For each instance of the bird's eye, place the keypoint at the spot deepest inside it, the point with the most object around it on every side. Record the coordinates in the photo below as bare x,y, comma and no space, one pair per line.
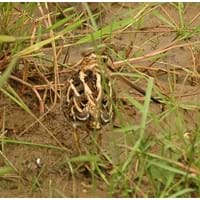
88,73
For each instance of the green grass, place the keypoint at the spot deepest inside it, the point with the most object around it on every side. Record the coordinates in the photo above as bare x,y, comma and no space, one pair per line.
153,153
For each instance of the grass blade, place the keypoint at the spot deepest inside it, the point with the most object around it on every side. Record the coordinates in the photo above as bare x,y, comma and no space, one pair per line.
8,71
168,168
20,142
14,96
84,158
163,19
5,171
180,11
181,193
7,38
91,16
60,23
107,30
143,123
35,47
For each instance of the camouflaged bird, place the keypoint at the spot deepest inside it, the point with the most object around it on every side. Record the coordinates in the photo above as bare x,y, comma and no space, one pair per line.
89,95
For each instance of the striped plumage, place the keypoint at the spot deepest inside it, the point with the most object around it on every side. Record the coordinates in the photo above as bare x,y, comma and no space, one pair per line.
89,95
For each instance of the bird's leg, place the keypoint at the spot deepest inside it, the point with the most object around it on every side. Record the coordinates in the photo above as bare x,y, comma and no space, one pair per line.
86,136
77,140
99,141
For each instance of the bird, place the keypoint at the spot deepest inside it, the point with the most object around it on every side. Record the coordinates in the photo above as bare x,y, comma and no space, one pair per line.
89,95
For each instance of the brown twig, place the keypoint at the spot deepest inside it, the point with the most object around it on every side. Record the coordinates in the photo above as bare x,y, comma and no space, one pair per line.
194,18
153,53
47,81
55,64
47,22
118,64
21,81
38,87
35,89
41,102
168,15
139,89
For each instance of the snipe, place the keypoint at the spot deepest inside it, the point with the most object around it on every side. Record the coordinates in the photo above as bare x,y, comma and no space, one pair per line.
89,96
